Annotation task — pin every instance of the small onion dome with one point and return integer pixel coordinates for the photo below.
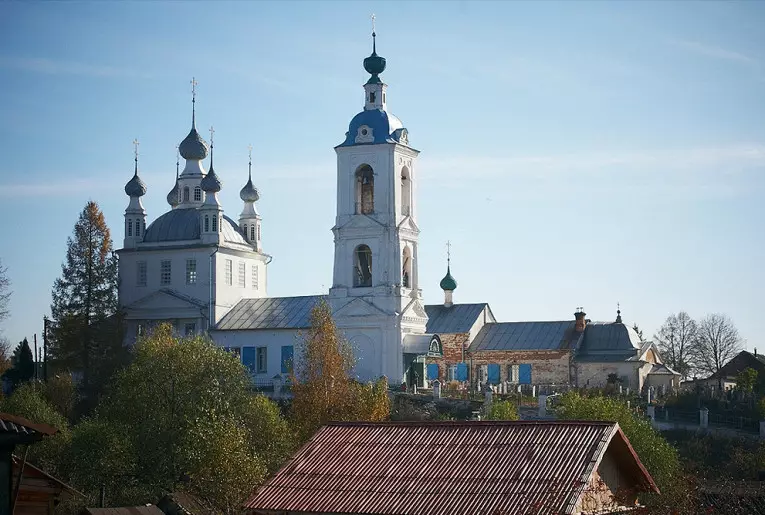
(249, 193)
(374, 64)
(174, 197)
(211, 183)
(135, 186)
(193, 146)
(448, 283)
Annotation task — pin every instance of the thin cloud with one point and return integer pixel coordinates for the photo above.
(716, 52)
(58, 67)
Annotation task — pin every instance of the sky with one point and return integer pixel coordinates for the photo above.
(574, 153)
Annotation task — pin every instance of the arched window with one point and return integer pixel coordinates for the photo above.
(365, 190)
(252, 232)
(197, 194)
(214, 224)
(207, 223)
(130, 228)
(406, 192)
(186, 194)
(362, 276)
(244, 230)
(406, 268)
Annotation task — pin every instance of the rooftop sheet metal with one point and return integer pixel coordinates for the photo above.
(183, 224)
(483, 467)
(609, 338)
(12, 424)
(458, 318)
(148, 509)
(270, 313)
(525, 336)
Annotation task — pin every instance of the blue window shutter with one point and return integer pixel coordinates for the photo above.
(462, 372)
(248, 358)
(288, 351)
(432, 371)
(524, 374)
(493, 373)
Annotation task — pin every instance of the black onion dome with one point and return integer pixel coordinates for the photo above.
(135, 186)
(249, 193)
(174, 197)
(211, 183)
(193, 146)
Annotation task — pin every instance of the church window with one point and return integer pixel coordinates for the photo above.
(191, 271)
(406, 192)
(189, 328)
(252, 232)
(214, 224)
(137, 227)
(362, 267)
(130, 228)
(141, 274)
(261, 359)
(229, 272)
(242, 273)
(406, 268)
(186, 194)
(254, 277)
(372, 97)
(165, 272)
(365, 190)
(197, 194)
(207, 223)
(243, 230)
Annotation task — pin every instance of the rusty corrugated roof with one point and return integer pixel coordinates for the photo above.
(14, 424)
(148, 509)
(438, 468)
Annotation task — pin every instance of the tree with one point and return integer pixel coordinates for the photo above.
(502, 410)
(323, 389)
(717, 342)
(84, 296)
(638, 331)
(5, 292)
(746, 380)
(23, 365)
(187, 411)
(676, 339)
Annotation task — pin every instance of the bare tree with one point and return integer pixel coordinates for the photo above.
(676, 340)
(717, 342)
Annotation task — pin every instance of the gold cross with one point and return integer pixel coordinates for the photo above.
(212, 132)
(135, 144)
(373, 23)
(448, 250)
(193, 89)
(249, 149)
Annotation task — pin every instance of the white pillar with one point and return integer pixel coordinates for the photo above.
(542, 406)
(488, 397)
(437, 389)
(277, 387)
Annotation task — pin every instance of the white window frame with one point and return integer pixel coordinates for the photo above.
(165, 272)
(191, 271)
(242, 274)
(141, 273)
(261, 358)
(254, 277)
(229, 272)
(189, 328)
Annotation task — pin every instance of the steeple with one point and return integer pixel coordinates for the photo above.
(135, 214)
(374, 87)
(448, 284)
(249, 219)
(174, 197)
(618, 314)
(211, 212)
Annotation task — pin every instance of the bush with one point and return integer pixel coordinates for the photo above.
(502, 410)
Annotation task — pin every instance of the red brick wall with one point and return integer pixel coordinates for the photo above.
(453, 352)
(547, 367)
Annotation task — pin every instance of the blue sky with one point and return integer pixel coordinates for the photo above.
(575, 154)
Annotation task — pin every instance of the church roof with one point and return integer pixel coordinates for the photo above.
(385, 127)
(458, 318)
(609, 341)
(183, 224)
(526, 336)
(270, 313)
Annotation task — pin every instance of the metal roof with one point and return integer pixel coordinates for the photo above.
(525, 336)
(270, 313)
(24, 429)
(183, 224)
(458, 318)
(614, 339)
(148, 509)
(435, 468)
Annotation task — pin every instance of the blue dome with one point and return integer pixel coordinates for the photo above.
(386, 128)
(193, 146)
(135, 186)
(183, 224)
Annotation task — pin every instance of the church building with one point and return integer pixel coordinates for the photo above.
(200, 270)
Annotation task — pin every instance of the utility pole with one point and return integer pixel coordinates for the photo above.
(35, 360)
(45, 349)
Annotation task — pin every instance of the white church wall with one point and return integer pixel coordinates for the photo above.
(228, 289)
(272, 340)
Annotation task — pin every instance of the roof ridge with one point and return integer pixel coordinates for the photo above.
(460, 423)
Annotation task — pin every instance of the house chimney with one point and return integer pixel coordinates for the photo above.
(581, 323)
(755, 351)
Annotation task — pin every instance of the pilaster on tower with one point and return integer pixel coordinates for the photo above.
(249, 219)
(135, 214)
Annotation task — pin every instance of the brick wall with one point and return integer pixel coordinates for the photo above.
(452, 345)
(547, 367)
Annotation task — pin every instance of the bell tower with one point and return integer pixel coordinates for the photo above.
(375, 292)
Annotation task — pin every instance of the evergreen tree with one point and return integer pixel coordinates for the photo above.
(23, 368)
(84, 297)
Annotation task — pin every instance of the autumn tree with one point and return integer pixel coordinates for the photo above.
(184, 416)
(323, 387)
(676, 339)
(717, 342)
(84, 297)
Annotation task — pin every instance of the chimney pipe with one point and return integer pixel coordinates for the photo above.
(581, 322)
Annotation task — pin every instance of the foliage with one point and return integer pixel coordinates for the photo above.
(28, 401)
(323, 389)
(638, 331)
(83, 297)
(5, 292)
(187, 410)
(270, 436)
(676, 340)
(23, 369)
(746, 380)
(656, 454)
(61, 393)
(502, 410)
(718, 341)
